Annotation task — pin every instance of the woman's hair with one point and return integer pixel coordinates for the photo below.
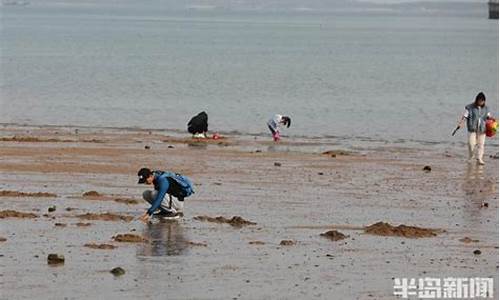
(287, 121)
(480, 97)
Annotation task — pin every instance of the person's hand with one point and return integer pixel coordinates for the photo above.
(461, 123)
(144, 218)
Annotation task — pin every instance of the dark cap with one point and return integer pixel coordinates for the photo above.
(143, 174)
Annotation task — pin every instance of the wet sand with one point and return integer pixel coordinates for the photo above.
(292, 192)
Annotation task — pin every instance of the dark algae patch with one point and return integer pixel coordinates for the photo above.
(235, 221)
(16, 214)
(23, 194)
(129, 238)
(106, 217)
(100, 246)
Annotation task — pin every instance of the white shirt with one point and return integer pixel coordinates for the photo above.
(275, 122)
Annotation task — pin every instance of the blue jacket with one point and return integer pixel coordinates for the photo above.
(173, 184)
(476, 119)
(162, 185)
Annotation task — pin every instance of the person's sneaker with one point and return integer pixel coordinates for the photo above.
(169, 215)
(480, 161)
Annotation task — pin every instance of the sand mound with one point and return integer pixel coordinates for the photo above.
(16, 214)
(106, 217)
(22, 194)
(2, 239)
(91, 194)
(235, 221)
(334, 235)
(468, 240)
(94, 195)
(385, 229)
(126, 201)
(100, 246)
(129, 238)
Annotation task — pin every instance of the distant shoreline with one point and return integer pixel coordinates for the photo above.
(302, 143)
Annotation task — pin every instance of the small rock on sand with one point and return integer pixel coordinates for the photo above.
(16, 214)
(277, 164)
(477, 252)
(385, 229)
(118, 271)
(55, 259)
(51, 208)
(427, 169)
(2, 239)
(334, 235)
(129, 238)
(287, 243)
(100, 246)
(60, 225)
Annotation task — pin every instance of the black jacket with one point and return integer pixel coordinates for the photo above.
(198, 124)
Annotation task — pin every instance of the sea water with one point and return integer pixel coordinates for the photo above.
(394, 77)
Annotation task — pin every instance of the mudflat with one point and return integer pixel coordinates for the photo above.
(299, 220)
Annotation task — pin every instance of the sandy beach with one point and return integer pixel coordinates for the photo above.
(292, 192)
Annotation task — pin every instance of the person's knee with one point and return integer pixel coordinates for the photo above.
(147, 195)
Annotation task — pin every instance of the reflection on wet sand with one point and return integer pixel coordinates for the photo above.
(166, 238)
(476, 186)
(477, 189)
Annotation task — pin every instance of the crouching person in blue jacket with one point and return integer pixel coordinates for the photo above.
(164, 183)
